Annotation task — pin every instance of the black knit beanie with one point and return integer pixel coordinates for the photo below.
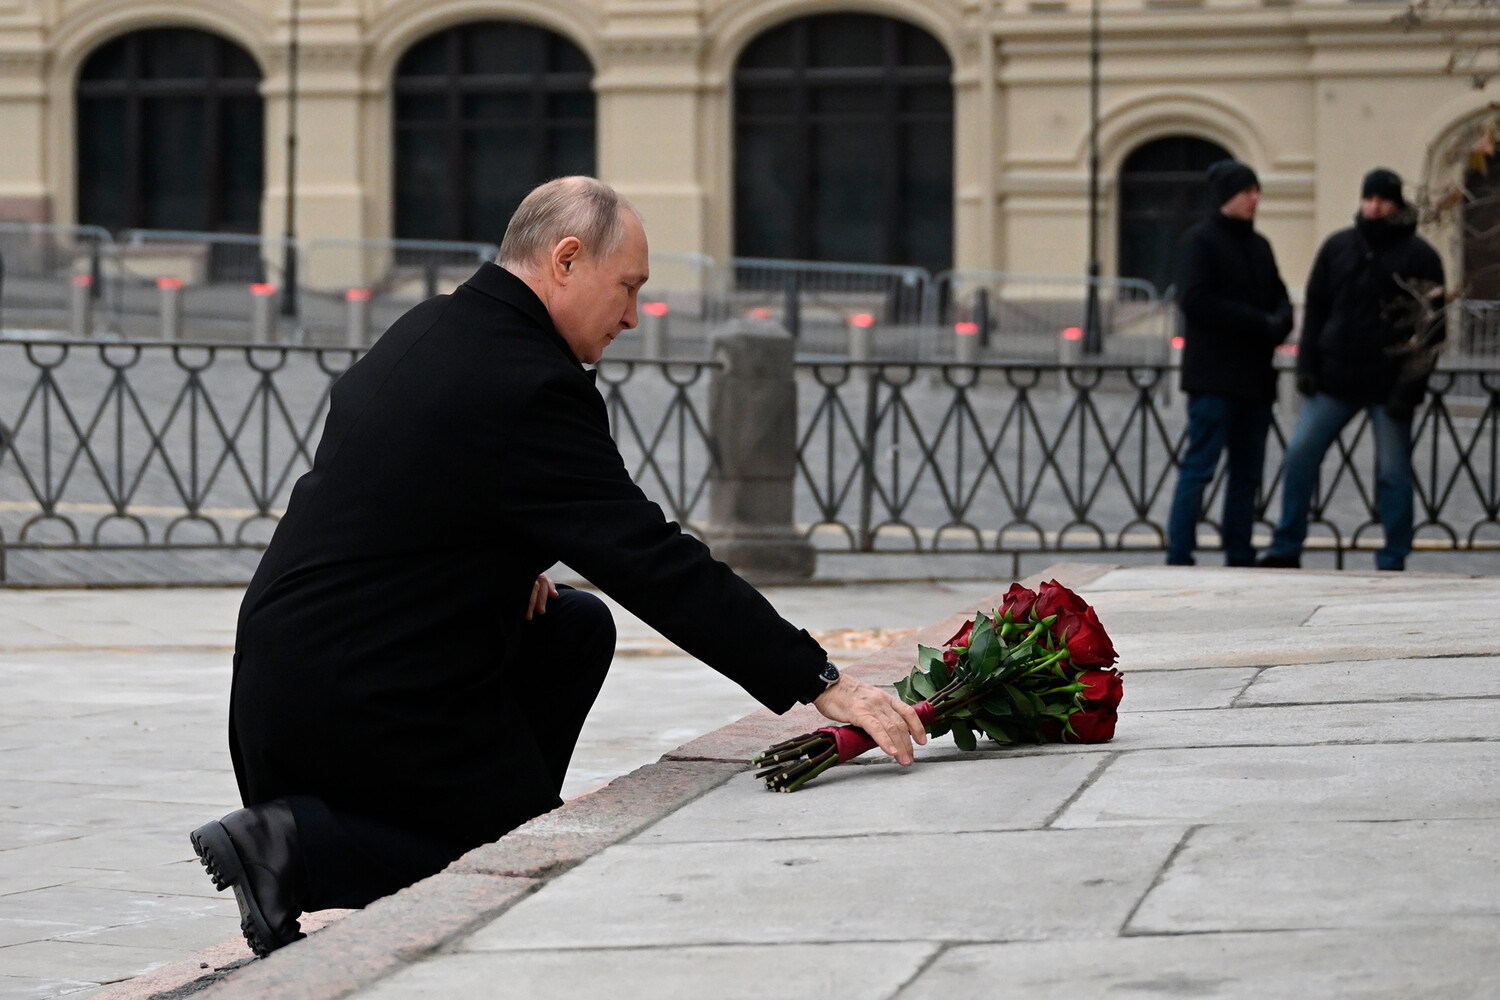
(1228, 178)
(1382, 182)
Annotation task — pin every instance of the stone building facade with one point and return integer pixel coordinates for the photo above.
(946, 133)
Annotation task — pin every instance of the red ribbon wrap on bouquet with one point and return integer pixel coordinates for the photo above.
(852, 741)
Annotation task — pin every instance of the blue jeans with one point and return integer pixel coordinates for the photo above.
(1318, 426)
(1217, 423)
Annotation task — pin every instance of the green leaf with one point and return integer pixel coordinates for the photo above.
(940, 674)
(922, 684)
(927, 656)
(1037, 703)
(985, 649)
(1018, 698)
(964, 737)
(996, 704)
(941, 729)
(903, 691)
(993, 731)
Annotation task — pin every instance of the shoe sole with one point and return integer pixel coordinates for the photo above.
(217, 854)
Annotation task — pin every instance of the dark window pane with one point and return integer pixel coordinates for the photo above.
(108, 62)
(775, 49)
(498, 47)
(869, 101)
(846, 196)
(422, 178)
(237, 64)
(174, 54)
(572, 151)
(243, 126)
(428, 57)
(842, 154)
(508, 108)
(765, 165)
(568, 58)
(173, 185)
(421, 107)
(846, 40)
(579, 106)
(102, 174)
(918, 48)
(522, 112)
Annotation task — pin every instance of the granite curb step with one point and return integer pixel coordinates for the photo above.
(348, 950)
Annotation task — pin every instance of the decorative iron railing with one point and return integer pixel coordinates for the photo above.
(153, 447)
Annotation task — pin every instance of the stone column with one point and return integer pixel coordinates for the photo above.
(753, 421)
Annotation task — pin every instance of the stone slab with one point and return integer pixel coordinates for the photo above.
(1453, 960)
(1327, 876)
(1293, 785)
(1175, 690)
(1308, 725)
(727, 972)
(876, 887)
(1376, 680)
(1018, 794)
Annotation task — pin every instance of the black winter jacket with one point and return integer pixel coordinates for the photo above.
(1235, 309)
(1357, 310)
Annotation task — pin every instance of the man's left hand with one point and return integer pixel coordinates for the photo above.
(891, 723)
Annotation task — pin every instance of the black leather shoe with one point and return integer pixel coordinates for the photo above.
(1269, 561)
(255, 852)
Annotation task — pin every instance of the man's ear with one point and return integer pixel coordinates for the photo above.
(564, 256)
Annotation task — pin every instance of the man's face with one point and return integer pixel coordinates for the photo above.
(1376, 207)
(597, 298)
(1242, 205)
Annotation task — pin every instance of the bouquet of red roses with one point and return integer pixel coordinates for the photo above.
(1040, 670)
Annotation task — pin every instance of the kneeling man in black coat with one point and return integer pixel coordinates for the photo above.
(407, 683)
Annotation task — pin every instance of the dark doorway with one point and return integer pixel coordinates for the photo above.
(1162, 193)
(844, 143)
(484, 113)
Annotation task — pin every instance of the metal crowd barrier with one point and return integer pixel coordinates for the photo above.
(151, 448)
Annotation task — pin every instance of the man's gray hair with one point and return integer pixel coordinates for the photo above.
(567, 206)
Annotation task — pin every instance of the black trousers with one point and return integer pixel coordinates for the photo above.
(352, 860)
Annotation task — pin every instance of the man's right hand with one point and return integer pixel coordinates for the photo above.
(891, 723)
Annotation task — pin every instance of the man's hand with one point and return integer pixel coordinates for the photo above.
(891, 723)
(540, 591)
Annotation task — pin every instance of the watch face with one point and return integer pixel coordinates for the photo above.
(830, 675)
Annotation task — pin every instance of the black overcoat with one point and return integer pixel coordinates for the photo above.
(463, 455)
(1235, 309)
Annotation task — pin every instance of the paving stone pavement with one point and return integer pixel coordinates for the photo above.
(1301, 801)
(112, 747)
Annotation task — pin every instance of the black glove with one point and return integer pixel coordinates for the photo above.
(1307, 383)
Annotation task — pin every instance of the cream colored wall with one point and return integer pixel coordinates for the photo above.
(1311, 93)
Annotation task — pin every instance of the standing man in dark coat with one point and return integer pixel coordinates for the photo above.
(407, 683)
(1235, 311)
(1372, 326)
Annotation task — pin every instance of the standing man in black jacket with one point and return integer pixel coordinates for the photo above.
(1235, 311)
(1371, 328)
(407, 683)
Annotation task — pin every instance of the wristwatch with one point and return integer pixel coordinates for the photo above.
(827, 678)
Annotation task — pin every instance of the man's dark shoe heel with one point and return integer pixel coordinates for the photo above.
(1269, 561)
(264, 887)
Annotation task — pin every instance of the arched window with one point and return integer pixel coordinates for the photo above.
(170, 133)
(844, 143)
(1162, 193)
(484, 113)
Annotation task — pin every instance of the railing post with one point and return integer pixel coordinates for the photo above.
(357, 317)
(262, 311)
(752, 421)
(654, 329)
(171, 307)
(792, 310)
(982, 315)
(861, 336)
(81, 307)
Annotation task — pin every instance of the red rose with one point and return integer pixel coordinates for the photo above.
(1053, 598)
(1093, 725)
(961, 637)
(1088, 643)
(1101, 688)
(1017, 603)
